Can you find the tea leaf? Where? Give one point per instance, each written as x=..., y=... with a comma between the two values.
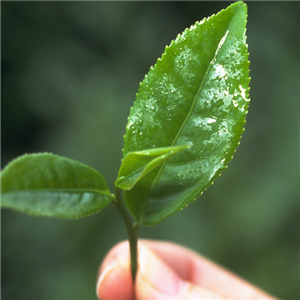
x=137, y=165
x=196, y=95
x=50, y=185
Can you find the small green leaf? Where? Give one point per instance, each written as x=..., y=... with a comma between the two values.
x=50, y=185
x=197, y=95
x=136, y=165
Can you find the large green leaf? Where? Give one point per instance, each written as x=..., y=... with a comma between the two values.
x=136, y=165
x=197, y=95
x=50, y=185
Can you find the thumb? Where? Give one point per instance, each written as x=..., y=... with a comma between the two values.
x=156, y=280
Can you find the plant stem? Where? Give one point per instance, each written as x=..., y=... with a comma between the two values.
x=132, y=230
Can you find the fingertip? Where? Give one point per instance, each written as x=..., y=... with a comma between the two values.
x=154, y=278
x=114, y=281
x=105, y=280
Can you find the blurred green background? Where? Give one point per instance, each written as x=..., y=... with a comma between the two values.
x=70, y=72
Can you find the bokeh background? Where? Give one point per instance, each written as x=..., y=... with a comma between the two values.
x=70, y=72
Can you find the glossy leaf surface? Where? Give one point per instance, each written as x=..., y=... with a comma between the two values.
x=136, y=165
x=196, y=95
x=54, y=186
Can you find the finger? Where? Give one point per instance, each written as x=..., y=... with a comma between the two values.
x=180, y=265
x=155, y=280
x=202, y=272
x=114, y=281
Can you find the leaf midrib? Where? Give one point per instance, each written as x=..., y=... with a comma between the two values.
x=55, y=190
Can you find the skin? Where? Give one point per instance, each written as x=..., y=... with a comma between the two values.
x=169, y=271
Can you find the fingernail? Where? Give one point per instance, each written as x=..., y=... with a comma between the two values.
x=111, y=265
x=156, y=273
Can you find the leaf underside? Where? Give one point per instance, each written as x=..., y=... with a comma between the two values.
x=196, y=95
x=53, y=186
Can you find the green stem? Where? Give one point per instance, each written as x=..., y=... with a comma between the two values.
x=132, y=230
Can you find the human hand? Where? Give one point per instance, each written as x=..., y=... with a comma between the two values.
x=168, y=271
